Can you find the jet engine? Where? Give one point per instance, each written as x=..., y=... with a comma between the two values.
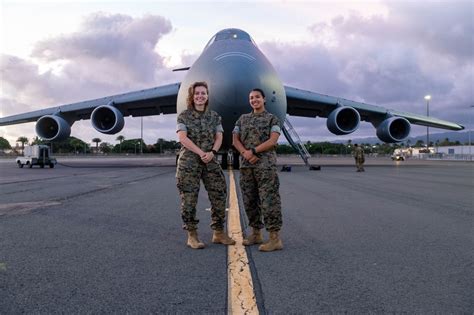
x=393, y=129
x=53, y=127
x=343, y=120
x=107, y=119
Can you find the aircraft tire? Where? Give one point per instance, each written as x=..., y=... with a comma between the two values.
x=236, y=162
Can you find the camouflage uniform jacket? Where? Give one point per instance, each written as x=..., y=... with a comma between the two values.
x=201, y=128
x=255, y=129
x=359, y=154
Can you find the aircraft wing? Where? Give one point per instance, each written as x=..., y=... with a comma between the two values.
x=147, y=102
x=310, y=104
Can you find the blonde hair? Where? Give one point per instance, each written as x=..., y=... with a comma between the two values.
x=190, y=99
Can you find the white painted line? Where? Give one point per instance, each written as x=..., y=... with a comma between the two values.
x=241, y=297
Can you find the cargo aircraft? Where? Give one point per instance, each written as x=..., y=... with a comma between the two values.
x=232, y=65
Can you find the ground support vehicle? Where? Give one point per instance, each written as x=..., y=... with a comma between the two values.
x=36, y=155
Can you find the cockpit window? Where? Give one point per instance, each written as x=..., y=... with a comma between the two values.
x=230, y=34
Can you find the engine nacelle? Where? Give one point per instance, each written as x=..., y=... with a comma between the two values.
x=393, y=129
x=343, y=120
x=52, y=127
x=107, y=119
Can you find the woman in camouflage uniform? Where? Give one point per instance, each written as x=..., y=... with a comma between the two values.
x=200, y=133
x=255, y=136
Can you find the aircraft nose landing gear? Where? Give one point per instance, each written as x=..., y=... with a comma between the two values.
x=230, y=160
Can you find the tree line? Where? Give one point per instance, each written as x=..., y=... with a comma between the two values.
x=73, y=145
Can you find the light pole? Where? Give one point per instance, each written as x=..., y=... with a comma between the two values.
x=427, y=98
x=470, y=128
x=141, y=136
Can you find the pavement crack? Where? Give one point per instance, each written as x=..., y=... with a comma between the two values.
x=20, y=208
x=108, y=187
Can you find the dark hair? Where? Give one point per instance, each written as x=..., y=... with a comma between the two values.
x=258, y=90
x=190, y=99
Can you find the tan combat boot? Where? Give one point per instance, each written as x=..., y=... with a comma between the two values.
x=219, y=237
x=254, y=238
x=274, y=243
x=193, y=240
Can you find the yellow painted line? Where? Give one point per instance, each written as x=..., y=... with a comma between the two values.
x=241, y=298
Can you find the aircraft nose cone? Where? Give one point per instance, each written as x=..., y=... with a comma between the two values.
x=232, y=82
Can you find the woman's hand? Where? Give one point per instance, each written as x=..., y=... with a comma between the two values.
x=254, y=159
x=249, y=156
x=207, y=157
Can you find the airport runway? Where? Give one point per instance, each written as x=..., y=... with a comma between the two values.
x=104, y=236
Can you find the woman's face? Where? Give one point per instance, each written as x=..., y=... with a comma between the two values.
x=200, y=97
x=257, y=101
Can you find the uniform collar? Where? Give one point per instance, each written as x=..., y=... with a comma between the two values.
x=259, y=114
x=198, y=114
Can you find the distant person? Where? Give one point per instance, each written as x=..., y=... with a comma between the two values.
x=359, y=158
x=255, y=136
x=200, y=133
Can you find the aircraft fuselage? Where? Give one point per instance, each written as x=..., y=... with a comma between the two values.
x=232, y=67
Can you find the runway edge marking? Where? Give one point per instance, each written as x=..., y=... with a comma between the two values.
x=241, y=296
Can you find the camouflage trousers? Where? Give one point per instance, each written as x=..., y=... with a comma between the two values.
x=359, y=164
x=189, y=181
x=261, y=196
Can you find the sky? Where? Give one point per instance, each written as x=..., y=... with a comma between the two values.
x=387, y=53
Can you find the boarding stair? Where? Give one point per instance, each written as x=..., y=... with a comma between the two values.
x=292, y=136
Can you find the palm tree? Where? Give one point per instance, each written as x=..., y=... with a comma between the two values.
x=97, y=141
x=37, y=140
x=105, y=147
x=120, y=139
x=23, y=140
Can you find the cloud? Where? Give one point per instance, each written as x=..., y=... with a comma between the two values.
x=108, y=54
x=306, y=66
x=445, y=28
x=390, y=60
x=22, y=83
x=109, y=48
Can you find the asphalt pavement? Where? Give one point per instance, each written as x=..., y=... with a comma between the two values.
x=104, y=236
